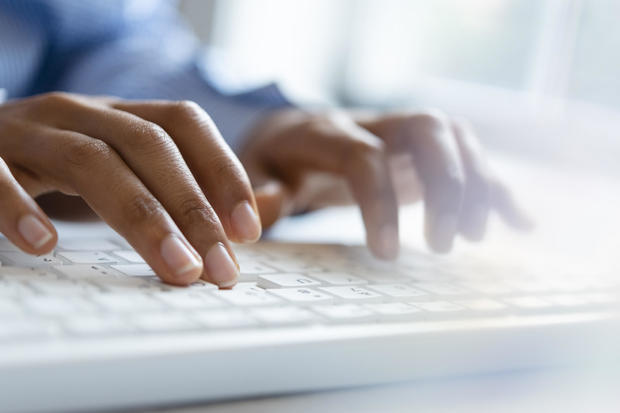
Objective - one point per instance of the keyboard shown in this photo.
(92, 315)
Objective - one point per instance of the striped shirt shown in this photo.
(135, 49)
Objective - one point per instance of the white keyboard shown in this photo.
(95, 299)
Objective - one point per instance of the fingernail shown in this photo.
(388, 241)
(178, 256)
(245, 222)
(34, 231)
(220, 267)
(444, 230)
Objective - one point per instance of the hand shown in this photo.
(299, 162)
(144, 167)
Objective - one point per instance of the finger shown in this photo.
(21, 220)
(155, 159)
(477, 196)
(435, 153)
(94, 170)
(216, 168)
(506, 206)
(337, 145)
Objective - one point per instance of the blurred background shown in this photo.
(536, 77)
(539, 80)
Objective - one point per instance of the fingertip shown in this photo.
(386, 245)
(38, 233)
(245, 222)
(441, 228)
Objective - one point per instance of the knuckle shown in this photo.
(141, 209)
(365, 153)
(196, 211)
(84, 153)
(430, 120)
(150, 136)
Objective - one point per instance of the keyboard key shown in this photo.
(252, 267)
(356, 294)
(344, 312)
(283, 315)
(338, 278)
(224, 318)
(27, 329)
(131, 256)
(57, 306)
(528, 302)
(163, 322)
(393, 311)
(86, 244)
(302, 295)
(134, 270)
(442, 288)
(90, 257)
(63, 287)
(100, 324)
(438, 306)
(83, 271)
(295, 266)
(9, 308)
(398, 290)
(6, 245)
(247, 297)
(21, 259)
(128, 302)
(482, 304)
(284, 280)
(188, 300)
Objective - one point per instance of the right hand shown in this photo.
(144, 167)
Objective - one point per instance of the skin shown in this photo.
(299, 162)
(160, 174)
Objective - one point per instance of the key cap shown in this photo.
(100, 324)
(566, 300)
(188, 300)
(398, 290)
(57, 306)
(284, 280)
(283, 315)
(134, 270)
(6, 245)
(9, 308)
(27, 329)
(63, 287)
(125, 285)
(527, 302)
(20, 259)
(87, 244)
(338, 278)
(343, 312)
(85, 271)
(247, 297)
(252, 267)
(394, 311)
(131, 256)
(356, 294)
(441, 288)
(302, 295)
(482, 304)
(438, 306)
(224, 318)
(87, 257)
(163, 322)
(295, 266)
(128, 302)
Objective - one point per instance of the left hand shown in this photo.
(299, 162)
